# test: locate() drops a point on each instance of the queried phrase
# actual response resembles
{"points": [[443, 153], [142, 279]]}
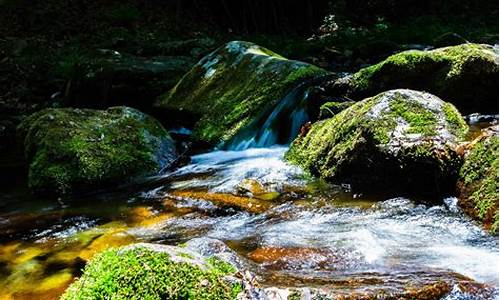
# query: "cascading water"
{"points": [[282, 124]]}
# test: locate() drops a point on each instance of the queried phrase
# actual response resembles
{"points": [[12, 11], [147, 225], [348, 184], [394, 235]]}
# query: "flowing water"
{"points": [[289, 229], [283, 123], [292, 230]]}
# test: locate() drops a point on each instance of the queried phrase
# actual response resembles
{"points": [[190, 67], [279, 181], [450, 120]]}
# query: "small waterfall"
{"points": [[282, 124]]}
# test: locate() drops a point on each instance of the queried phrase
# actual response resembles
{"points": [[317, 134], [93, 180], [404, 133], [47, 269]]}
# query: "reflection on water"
{"points": [[307, 233]]}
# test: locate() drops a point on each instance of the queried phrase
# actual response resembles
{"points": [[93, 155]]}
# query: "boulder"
{"points": [[233, 86], [330, 109], [113, 78], [478, 182], [150, 271], [465, 75], [399, 140], [70, 150]]}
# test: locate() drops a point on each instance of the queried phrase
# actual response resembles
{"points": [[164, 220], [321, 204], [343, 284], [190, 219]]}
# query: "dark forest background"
{"points": [[49, 49]]}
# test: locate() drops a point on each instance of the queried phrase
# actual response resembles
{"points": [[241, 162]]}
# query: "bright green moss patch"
{"points": [[395, 136], [72, 149], [465, 75], [142, 273], [232, 86], [420, 119], [479, 182]]}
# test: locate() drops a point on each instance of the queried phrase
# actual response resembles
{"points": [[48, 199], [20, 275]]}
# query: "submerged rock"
{"points": [[465, 75], [233, 86], [400, 139], [419, 284], [253, 188], [252, 205], [156, 272], [70, 150], [478, 183]]}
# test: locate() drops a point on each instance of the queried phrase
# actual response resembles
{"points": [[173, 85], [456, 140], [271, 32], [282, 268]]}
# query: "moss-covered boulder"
{"points": [[111, 78], [148, 271], [478, 184], [465, 75], [399, 140], [73, 149], [232, 86], [330, 109]]}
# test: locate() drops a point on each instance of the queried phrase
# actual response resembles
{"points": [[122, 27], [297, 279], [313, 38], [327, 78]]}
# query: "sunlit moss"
{"points": [[141, 273], [391, 131], [479, 182], [232, 86], [465, 75]]}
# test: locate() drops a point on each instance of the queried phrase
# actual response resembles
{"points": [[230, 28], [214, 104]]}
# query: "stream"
{"points": [[292, 229]]}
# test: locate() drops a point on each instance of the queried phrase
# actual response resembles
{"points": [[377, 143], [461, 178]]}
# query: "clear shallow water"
{"points": [[309, 233]]}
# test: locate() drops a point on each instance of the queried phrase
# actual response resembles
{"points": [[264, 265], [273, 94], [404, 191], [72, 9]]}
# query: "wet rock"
{"points": [[424, 284], [156, 272], [465, 75], [255, 189], [224, 200], [233, 86], [298, 258], [71, 150], [399, 140], [478, 183]]}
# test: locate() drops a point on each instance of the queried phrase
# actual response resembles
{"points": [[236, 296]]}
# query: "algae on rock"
{"points": [[69, 149], [232, 86], [148, 271], [465, 75], [478, 183], [401, 139]]}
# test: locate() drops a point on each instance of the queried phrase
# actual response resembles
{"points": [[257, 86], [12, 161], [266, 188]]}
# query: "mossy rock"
{"points": [[478, 184], [330, 109], [69, 150], [465, 75], [399, 140], [111, 78], [148, 271], [233, 86]]}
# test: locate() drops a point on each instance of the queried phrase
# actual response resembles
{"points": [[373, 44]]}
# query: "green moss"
{"points": [[72, 148], [464, 75], [420, 120], [330, 109], [454, 118], [141, 273], [232, 86], [479, 178], [396, 129]]}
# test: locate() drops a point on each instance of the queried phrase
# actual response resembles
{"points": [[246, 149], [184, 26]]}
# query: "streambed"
{"points": [[294, 231]]}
